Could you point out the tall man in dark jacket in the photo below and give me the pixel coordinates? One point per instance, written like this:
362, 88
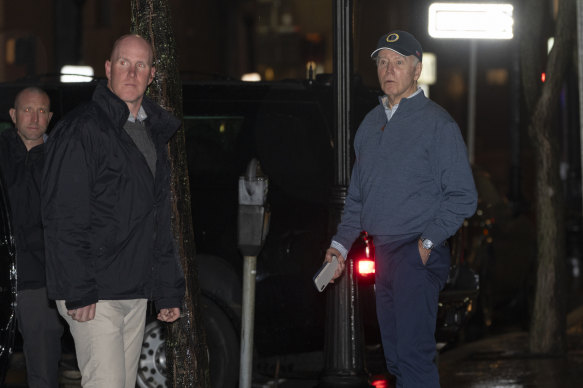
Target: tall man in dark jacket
21, 162
106, 212
411, 188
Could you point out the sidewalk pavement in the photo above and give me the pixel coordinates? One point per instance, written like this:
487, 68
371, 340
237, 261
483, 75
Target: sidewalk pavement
504, 361
494, 362
498, 361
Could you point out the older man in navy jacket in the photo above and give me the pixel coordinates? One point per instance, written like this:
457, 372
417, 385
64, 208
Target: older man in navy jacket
411, 188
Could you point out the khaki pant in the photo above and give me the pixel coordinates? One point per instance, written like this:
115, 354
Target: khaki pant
108, 347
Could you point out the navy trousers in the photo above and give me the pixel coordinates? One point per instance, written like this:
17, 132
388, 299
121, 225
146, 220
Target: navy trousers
41, 328
407, 294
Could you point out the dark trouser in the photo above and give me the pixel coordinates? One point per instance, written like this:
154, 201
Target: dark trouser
41, 328
407, 293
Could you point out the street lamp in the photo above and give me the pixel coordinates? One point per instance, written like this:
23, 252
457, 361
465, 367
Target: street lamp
471, 21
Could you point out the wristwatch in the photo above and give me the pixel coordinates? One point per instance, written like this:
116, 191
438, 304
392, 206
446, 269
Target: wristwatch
426, 243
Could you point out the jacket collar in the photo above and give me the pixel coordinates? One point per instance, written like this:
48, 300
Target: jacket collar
16, 142
162, 124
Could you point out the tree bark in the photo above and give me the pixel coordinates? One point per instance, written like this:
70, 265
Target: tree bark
186, 350
548, 324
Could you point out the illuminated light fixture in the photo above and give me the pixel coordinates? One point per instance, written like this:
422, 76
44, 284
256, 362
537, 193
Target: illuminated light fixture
251, 77
10, 51
269, 74
550, 44
429, 71
470, 20
311, 68
70, 73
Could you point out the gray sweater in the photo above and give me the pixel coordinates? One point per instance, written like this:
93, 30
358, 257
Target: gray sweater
411, 177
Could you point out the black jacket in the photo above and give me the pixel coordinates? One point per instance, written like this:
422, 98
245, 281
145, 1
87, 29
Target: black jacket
106, 217
22, 171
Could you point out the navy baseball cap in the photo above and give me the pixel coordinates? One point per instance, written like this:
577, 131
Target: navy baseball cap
401, 42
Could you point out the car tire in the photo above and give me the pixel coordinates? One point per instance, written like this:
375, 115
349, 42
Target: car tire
222, 343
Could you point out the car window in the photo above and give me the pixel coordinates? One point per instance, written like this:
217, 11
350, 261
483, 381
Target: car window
212, 142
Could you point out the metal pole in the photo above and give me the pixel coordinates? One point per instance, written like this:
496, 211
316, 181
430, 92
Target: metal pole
515, 176
342, 90
580, 71
472, 99
247, 325
344, 345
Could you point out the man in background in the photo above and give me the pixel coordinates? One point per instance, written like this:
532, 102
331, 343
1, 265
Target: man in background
21, 162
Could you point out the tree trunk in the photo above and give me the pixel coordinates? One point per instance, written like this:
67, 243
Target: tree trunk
548, 324
186, 351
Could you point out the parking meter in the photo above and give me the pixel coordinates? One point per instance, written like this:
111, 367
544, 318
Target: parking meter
253, 224
253, 220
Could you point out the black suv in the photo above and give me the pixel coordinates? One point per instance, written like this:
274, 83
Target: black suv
7, 283
288, 127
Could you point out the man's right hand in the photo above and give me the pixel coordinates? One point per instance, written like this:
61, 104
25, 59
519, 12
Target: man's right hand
335, 252
169, 315
82, 314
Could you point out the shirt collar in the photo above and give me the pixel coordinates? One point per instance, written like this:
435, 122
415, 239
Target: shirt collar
142, 116
391, 111
385, 99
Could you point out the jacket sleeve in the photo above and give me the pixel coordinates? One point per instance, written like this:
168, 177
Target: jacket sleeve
350, 225
459, 197
66, 197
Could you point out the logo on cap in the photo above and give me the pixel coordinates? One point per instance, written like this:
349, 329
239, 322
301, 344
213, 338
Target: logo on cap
392, 38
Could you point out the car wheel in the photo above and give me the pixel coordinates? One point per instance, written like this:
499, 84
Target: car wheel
223, 348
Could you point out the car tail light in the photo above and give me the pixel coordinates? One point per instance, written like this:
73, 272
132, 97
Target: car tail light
363, 254
380, 383
365, 267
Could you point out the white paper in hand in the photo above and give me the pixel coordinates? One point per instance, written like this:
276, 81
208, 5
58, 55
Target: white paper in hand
325, 274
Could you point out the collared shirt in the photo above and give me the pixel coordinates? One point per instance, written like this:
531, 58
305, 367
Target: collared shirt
136, 128
390, 112
142, 116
